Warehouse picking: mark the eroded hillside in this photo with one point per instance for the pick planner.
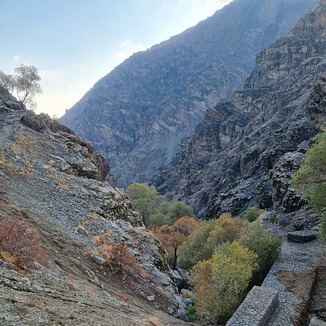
(103, 265)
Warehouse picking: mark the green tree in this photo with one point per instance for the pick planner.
(220, 282)
(179, 209)
(263, 243)
(311, 179)
(203, 241)
(25, 84)
(142, 197)
(193, 249)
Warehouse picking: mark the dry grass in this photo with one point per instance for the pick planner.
(153, 321)
(95, 216)
(20, 246)
(119, 261)
(62, 185)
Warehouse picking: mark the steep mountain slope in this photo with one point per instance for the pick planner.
(245, 150)
(103, 264)
(138, 113)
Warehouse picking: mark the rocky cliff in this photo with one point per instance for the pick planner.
(102, 263)
(245, 151)
(138, 113)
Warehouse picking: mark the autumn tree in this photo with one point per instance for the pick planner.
(25, 84)
(171, 236)
(220, 282)
(203, 241)
(226, 229)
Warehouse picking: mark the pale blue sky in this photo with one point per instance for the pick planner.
(76, 42)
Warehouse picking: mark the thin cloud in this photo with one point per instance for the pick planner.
(126, 49)
(16, 60)
(52, 74)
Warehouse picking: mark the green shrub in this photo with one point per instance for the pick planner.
(252, 214)
(193, 249)
(263, 243)
(192, 313)
(311, 180)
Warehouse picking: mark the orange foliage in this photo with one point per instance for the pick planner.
(171, 236)
(120, 261)
(20, 246)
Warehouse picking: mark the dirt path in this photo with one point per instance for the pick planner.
(8, 123)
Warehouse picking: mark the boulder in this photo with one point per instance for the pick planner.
(302, 236)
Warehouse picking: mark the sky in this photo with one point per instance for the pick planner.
(74, 43)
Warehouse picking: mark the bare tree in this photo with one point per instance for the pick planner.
(24, 84)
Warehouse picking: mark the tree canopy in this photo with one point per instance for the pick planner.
(156, 209)
(24, 85)
(311, 179)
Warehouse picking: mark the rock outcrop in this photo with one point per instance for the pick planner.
(138, 113)
(54, 182)
(245, 151)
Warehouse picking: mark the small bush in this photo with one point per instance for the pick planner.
(120, 262)
(192, 313)
(20, 246)
(252, 214)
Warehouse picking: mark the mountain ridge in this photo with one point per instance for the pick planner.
(257, 140)
(138, 114)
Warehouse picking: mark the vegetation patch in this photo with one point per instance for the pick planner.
(311, 180)
(20, 246)
(120, 262)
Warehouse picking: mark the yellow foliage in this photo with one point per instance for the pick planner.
(219, 283)
(227, 229)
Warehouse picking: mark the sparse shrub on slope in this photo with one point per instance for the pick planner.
(120, 262)
(20, 246)
(252, 214)
(311, 180)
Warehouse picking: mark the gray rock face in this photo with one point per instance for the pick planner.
(302, 236)
(85, 163)
(138, 113)
(245, 150)
(51, 179)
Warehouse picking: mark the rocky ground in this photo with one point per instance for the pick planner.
(54, 183)
(72, 290)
